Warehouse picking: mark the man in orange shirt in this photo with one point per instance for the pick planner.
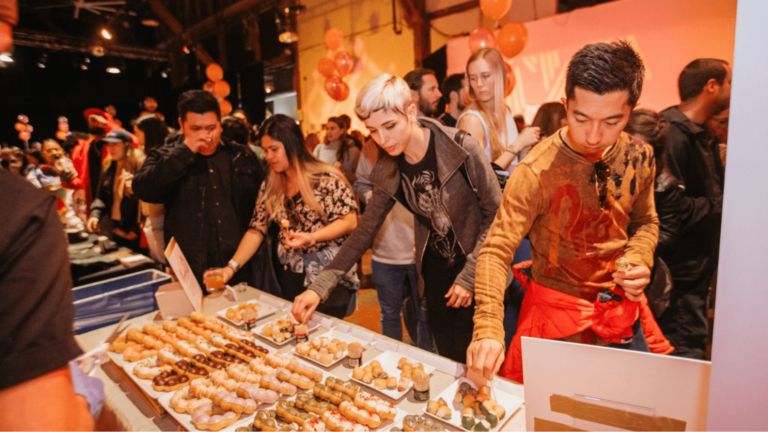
(584, 196)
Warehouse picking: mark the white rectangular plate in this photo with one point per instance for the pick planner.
(117, 359)
(266, 310)
(506, 400)
(385, 426)
(257, 331)
(330, 335)
(388, 362)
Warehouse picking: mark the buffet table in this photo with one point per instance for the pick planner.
(126, 408)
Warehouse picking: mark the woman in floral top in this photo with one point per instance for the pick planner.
(315, 208)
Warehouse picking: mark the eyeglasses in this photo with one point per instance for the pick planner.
(603, 173)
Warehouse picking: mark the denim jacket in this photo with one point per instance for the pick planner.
(469, 191)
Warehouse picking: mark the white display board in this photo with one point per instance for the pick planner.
(185, 275)
(571, 386)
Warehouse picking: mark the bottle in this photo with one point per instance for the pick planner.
(420, 386)
(300, 331)
(354, 354)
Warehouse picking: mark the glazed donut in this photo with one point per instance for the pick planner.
(348, 388)
(230, 401)
(167, 356)
(185, 348)
(258, 394)
(294, 379)
(169, 381)
(230, 348)
(213, 420)
(258, 366)
(336, 422)
(309, 404)
(335, 397)
(241, 373)
(138, 352)
(421, 423)
(194, 327)
(222, 379)
(150, 368)
(303, 348)
(288, 411)
(184, 402)
(120, 344)
(375, 405)
(359, 415)
(266, 421)
(186, 335)
(278, 359)
(308, 371)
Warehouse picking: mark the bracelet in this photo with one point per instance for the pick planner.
(510, 150)
(312, 239)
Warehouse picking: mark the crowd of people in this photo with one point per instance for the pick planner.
(594, 208)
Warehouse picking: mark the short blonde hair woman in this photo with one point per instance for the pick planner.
(447, 183)
(486, 116)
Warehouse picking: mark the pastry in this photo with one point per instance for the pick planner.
(258, 394)
(308, 403)
(375, 405)
(201, 361)
(213, 419)
(288, 411)
(169, 381)
(267, 421)
(359, 415)
(420, 423)
(335, 397)
(349, 388)
(336, 422)
(185, 402)
(150, 368)
(307, 371)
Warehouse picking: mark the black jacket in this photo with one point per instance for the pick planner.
(692, 209)
(174, 176)
(102, 204)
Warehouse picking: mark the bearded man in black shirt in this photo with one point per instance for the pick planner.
(208, 186)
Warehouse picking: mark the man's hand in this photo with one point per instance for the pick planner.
(128, 188)
(485, 356)
(304, 305)
(198, 144)
(92, 225)
(633, 281)
(458, 296)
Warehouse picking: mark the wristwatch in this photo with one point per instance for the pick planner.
(233, 265)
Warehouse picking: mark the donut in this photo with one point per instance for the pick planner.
(336, 422)
(307, 371)
(288, 411)
(213, 419)
(324, 392)
(150, 368)
(266, 421)
(184, 367)
(308, 403)
(375, 405)
(258, 394)
(420, 423)
(201, 361)
(185, 402)
(348, 388)
(169, 381)
(359, 415)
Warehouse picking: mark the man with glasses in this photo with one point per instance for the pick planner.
(584, 196)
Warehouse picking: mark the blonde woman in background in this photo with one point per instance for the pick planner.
(486, 117)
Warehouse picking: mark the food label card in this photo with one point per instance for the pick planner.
(187, 279)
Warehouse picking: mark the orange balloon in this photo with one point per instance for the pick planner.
(481, 38)
(61, 135)
(333, 38)
(225, 106)
(343, 92)
(512, 39)
(495, 9)
(208, 86)
(509, 85)
(64, 127)
(24, 136)
(332, 86)
(326, 67)
(344, 62)
(20, 127)
(214, 72)
(221, 89)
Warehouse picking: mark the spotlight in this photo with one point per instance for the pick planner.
(106, 34)
(6, 57)
(288, 37)
(185, 49)
(84, 66)
(150, 22)
(43, 59)
(113, 70)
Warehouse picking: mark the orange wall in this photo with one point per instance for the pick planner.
(667, 33)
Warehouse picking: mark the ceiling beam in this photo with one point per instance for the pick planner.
(452, 10)
(58, 42)
(175, 26)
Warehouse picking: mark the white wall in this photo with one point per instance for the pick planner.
(738, 398)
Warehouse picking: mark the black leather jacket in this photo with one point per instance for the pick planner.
(174, 176)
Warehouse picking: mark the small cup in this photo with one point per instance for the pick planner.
(213, 279)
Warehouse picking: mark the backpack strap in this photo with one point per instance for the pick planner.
(459, 138)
